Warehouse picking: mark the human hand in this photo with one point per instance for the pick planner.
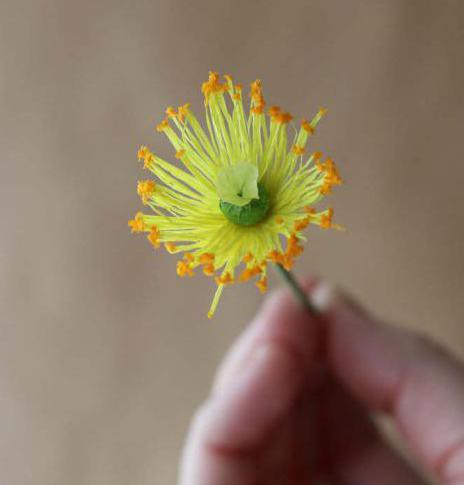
(291, 402)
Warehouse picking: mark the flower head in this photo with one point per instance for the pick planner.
(245, 191)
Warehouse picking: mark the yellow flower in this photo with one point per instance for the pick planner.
(244, 193)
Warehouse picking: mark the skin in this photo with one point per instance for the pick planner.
(293, 399)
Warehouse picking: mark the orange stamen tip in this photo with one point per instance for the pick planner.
(257, 99)
(250, 272)
(301, 224)
(282, 118)
(307, 127)
(170, 247)
(298, 150)
(208, 269)
(212, 85)
(142, 152)
(262, 284)
(275, 256)
(171, 112)
(180, 153)
(189, 257)
(184, 269)
(248, 258)
(207, 258)
(137, 224)
(279, 219)
(274, 111)
(326, 219)
(145, 189)
(225, 279)
(182, 112)
(310, 210)
(163, 125)
(154, 236)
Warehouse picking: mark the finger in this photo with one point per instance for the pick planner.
(396, 371)
(251, 400)
(351, 449)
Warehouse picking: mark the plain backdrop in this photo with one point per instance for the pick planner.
(104, 351)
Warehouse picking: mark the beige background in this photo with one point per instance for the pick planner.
(104, 353)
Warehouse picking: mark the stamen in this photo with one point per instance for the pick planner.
(184, 269)
(170, 247)
(160, 127)
(154, 236)
(301, 224)
(326, 219)
(225, 279)
(171, 112)
(137, 224)
(145, 189)
(298, 150)
(306, 125)
(183, 112)
(262, 284)
(248, 258)
(250, 272)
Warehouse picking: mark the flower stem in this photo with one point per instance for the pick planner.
(297, 290)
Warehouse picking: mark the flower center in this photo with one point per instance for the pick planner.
(249, 214)
(243, 200)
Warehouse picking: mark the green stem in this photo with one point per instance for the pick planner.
(297, 290)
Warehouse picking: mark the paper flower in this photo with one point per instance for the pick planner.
(242, 192)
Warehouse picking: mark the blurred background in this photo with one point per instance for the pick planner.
(104, 351)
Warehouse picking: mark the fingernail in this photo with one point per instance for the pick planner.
(323, 296)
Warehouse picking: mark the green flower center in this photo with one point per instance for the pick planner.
(249, 214)
(243, 200)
